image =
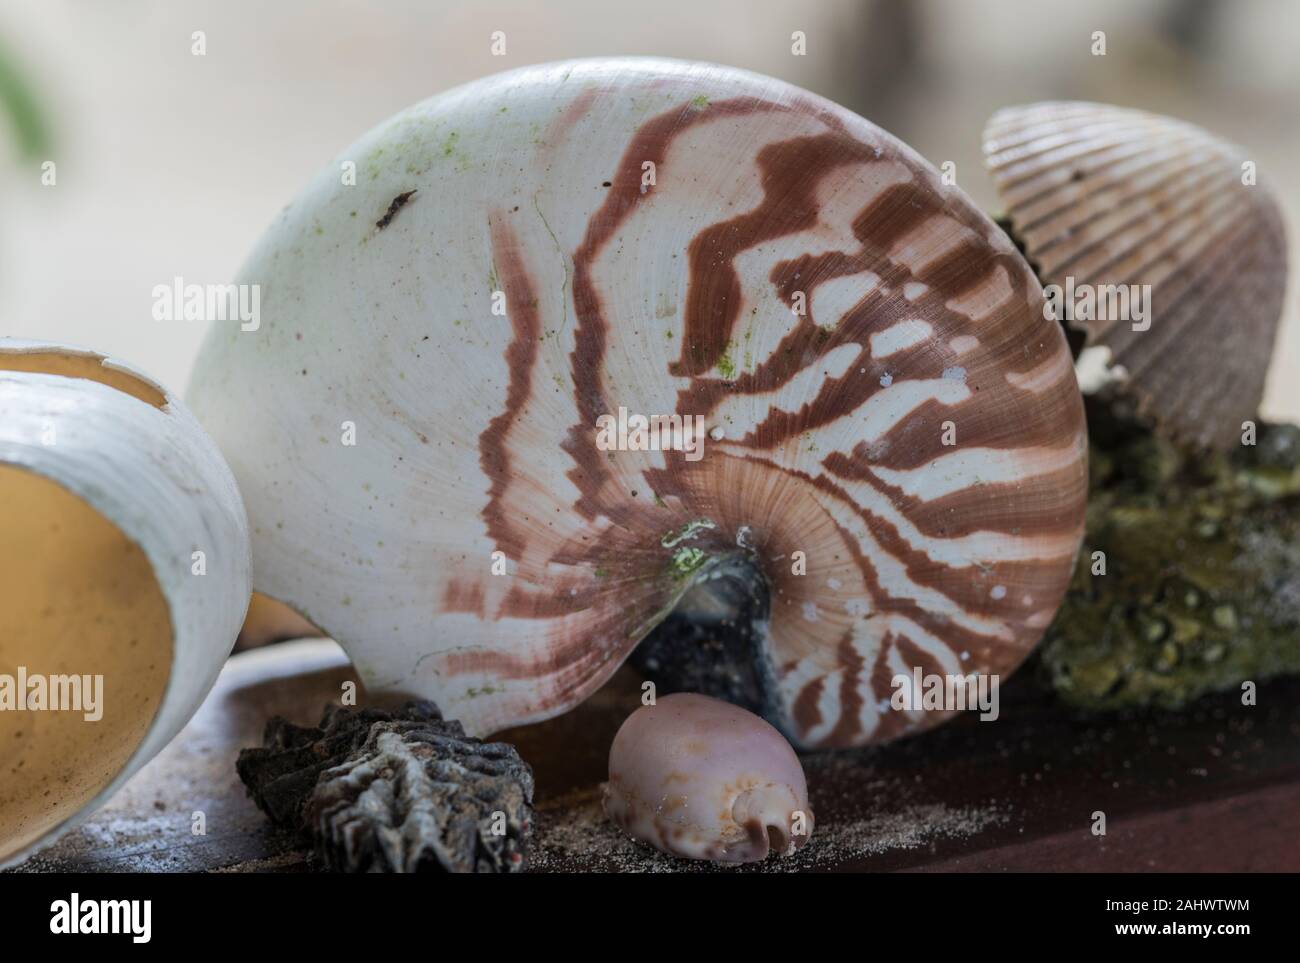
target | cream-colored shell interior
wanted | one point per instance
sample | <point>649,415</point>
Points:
<point>77,597</point>
<point>90,367</point>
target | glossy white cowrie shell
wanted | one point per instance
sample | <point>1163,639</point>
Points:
<point>703,779</point>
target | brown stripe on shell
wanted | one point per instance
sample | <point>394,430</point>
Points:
<point>1031,507</point>
<point>464,595</point>
<point>847,727</point>
<point>914,657</point>
<point>926,574</point>
<point>892,723</point>
<point>649,144</point>
<point>790,172</point>
<point>890,216</point>
<point>919,440</point>
<point>734,487</point>
<point>804,710</point>
<point>521,358</point>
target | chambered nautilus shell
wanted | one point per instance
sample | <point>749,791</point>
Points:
<point>124,574</point>
<point>889,449</point>
<point>1110,196</point>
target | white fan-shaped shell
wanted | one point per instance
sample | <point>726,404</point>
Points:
<point>151,471</point>
<point>665,238</point>
<point>1112,196</point>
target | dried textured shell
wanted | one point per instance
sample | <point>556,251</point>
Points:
<point>1109,195</point>
<point>669,238</point>
<point>396,792</point>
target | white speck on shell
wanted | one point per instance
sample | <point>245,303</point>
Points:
<point>964,343</point>
<point>899,337</point>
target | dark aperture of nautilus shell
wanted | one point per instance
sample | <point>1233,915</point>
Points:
<point>1112,196</point>
<point>669,239</point>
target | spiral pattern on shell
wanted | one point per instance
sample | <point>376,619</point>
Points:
<point>878,388</point>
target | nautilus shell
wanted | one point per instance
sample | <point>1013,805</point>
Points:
<point>1109,196</point>
<point>124,574</point>
<point>704,779</point>
<point>880,426</point>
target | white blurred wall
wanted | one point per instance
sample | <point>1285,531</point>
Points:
<point>171,164</point>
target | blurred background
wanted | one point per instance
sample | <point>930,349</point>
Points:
<point>171,164</point>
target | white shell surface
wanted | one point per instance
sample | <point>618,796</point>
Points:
<point>1109,198</point>
<point>153,473</point>
<point>703,779</point>
<point>422,475</point>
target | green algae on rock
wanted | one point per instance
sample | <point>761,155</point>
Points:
<point>1201,589</point>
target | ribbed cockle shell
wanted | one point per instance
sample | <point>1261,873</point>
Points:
<point>1110,196</point>
<point>701,778</point>
<point>892,437</point>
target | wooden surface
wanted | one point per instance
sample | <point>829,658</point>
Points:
<point>1214,788</point>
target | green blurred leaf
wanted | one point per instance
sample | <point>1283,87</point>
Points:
<point>18,101</point>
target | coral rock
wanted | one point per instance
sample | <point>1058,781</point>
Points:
<point>1202,583</point>
<point>397,792</point>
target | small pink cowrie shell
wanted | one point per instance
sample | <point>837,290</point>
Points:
<point>703,779</point>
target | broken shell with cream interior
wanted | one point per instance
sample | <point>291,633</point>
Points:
<point>704,779</point>
<point>883,442</point>
<point>112,625</point>
<point>1106,196</point>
